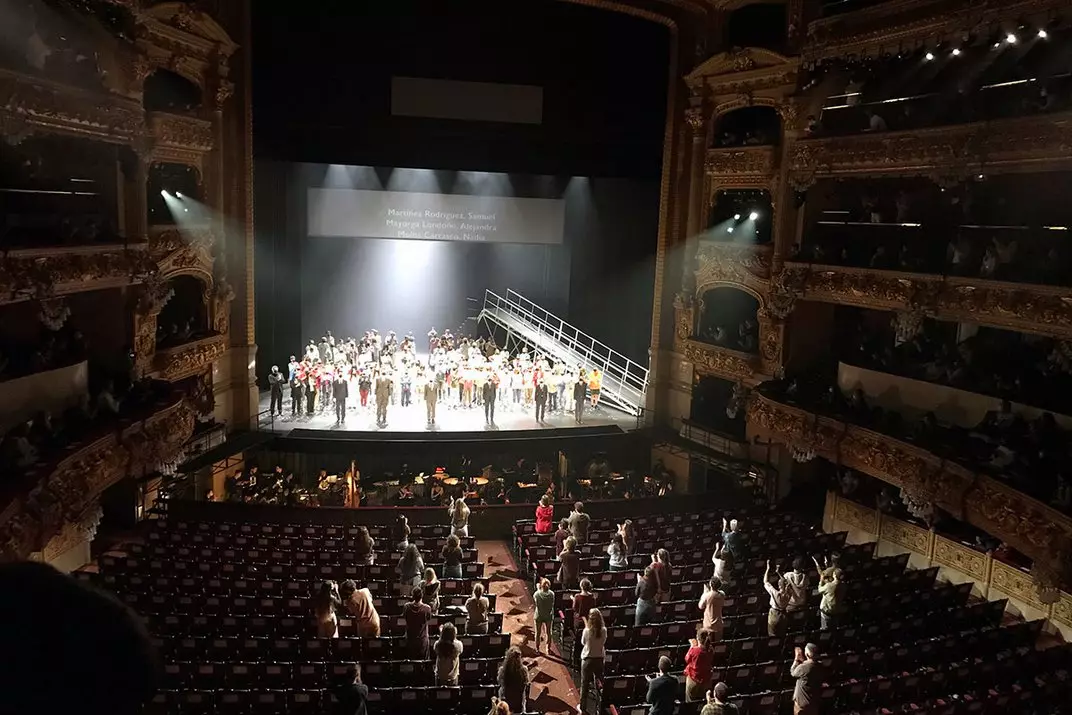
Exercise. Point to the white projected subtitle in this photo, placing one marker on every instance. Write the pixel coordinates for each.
(440, 225)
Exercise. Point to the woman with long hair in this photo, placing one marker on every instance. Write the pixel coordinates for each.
(477, 607)
(629, 536)
(583, 602)
(593, 653)
(365, 548)
(459, 517)
(545, 514)
(646, 593)
(660, 565)
(431, 590)
(452, 557)
(617, 559)
(448, 650)
(723, 561)
(325, 603)
(361, 608)
(513, 680)
(699, 660)
(545, 612)
(410, 569)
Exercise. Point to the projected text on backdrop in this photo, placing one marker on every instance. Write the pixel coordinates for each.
(358, 213)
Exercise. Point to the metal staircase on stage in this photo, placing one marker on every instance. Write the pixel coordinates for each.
(624, 381)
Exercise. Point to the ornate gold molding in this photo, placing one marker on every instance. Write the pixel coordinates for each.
(179, 251)
(1036, 143)
(180, 139)
(957, 556)
(46, 273)
(722, 362)
(913, 538)
(1029, 526)
(746, 160)
(1016, 583)
(40, 510)
(856, 516)
(733, 265)
(744, 71)
(189, 359)
(1062, 609)
(32, 104)
(1044, 310)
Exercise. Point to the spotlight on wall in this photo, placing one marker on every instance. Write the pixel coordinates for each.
(736, 217)
(956, 52)
(163, 192)
(1010, 38)
(929, 56)
(753, 216)
(178, 194)
(1043, 34)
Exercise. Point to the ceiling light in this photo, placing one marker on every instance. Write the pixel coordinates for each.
(956, 52)
(729, 230)
(178, 194)
(736, 217)
(1043, 34)
(753, 216)
(163, 192)
(1010, 38)
(929, 56)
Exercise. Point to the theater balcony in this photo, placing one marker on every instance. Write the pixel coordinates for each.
(46, 273)
(935, 466)
(61, 487)
(180, 139)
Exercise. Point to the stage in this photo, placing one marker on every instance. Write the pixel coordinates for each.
(449, 418)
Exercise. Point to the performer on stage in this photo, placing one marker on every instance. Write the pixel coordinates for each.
(580, 387)
(595, 384)
(431, 397)
(488, 393)
(275, 388)
(296, 388)
(341, 390)
(541, 400)
(383, 396)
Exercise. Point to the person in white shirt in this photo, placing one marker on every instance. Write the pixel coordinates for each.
(616, 551)
(799, 589)
(779, 604)
(723, 561)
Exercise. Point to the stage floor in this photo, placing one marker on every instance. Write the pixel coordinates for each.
(448, 418)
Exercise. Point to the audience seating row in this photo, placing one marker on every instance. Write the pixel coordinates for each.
(341, 553)
(167, 528)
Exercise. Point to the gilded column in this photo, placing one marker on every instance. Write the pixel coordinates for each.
(695, 118)
(784, 198)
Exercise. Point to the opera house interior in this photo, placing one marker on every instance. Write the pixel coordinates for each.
(628, 357)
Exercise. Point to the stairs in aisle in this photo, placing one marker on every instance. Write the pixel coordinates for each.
(625, 382)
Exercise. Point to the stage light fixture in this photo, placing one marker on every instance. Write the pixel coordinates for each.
(736, 217)
(929, 56)
(178, 194)
(1043, 34)
(729, 229)
(186, 210)
(163, 192)
(956, 52)
(753, 216)
(1010, 38)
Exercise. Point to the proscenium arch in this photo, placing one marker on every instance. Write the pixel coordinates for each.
(201, 23)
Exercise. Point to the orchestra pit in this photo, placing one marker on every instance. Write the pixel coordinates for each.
(625, 357)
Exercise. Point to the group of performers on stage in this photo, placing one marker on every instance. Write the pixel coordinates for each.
(459, 372)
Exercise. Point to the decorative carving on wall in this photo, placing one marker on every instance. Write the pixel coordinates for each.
(81, 531)
(1062, 609)
(722, 362)
(963, 149)
(753, 160)
(1015, 582)
(64, 493)
(684, 316)
(189, 359)
(732, 264)
(53, 313)
(907, 535)
(1045, 310)
(771, 341)
(48, 273)
(857, 516)
(957, 556)
(1027, 525)
(42, 105)
(907, 325)
(694, 117)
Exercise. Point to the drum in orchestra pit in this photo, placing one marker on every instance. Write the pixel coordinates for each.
(451, 481)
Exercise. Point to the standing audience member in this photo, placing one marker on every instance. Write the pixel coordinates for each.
(350, 695)
(459, 517)
(477, 608)
(732, 538)
(402, 532)
(662, 690)
(561, 535)
(660, 566)
(579, 523)
(545, 612)
(410, 569)
(646, 593)
(417, 615)
(716, 702)
(513, 680)
(629, 536)
(617, 560)
(325, 604)
(583, 602)
(452, 558)
(545, 514)
(830, 590)
(808, 672)
(448, 650)
(711, 603)
(430, 586)
(779, 603)
(723, 561)
(365, 548)
(799, 591)
(593, 653)
(699, 660)
(362, 609)
(569, 570)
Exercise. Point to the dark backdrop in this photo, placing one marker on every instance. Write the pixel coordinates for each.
(322, 81)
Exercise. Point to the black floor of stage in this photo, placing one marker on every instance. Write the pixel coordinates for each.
(411, 420)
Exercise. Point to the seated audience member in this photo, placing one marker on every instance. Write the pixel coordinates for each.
(662, 690)
(569, 570)
(617, 559)
(477, 607)
(361, 608)
(417, 615)
(545, 612)
(71, 648)
(325, 604)
(583, 602)
(593, 654)
(545, 514)
(430, 586)
(448, 650)
(410, 569)
(646, 593)
(779, 603)
(717, 703)
(561, 535)
(513, 680)
(660, 567)
(629, 536)
(452, 558)
(732, 538)
(711, 603)
(579, 523)
(799, 589)
(699, 660)
(808, 673)
(350, 695)
(499, 707)
(365, 549)
(723, 561)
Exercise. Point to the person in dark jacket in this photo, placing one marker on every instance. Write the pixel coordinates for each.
(340, 390)
(351, 695)
(417, 615)
(662, 690)
(487, 393)
(275, 388)
(541, 400)
(296, 390)
(580, 391)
